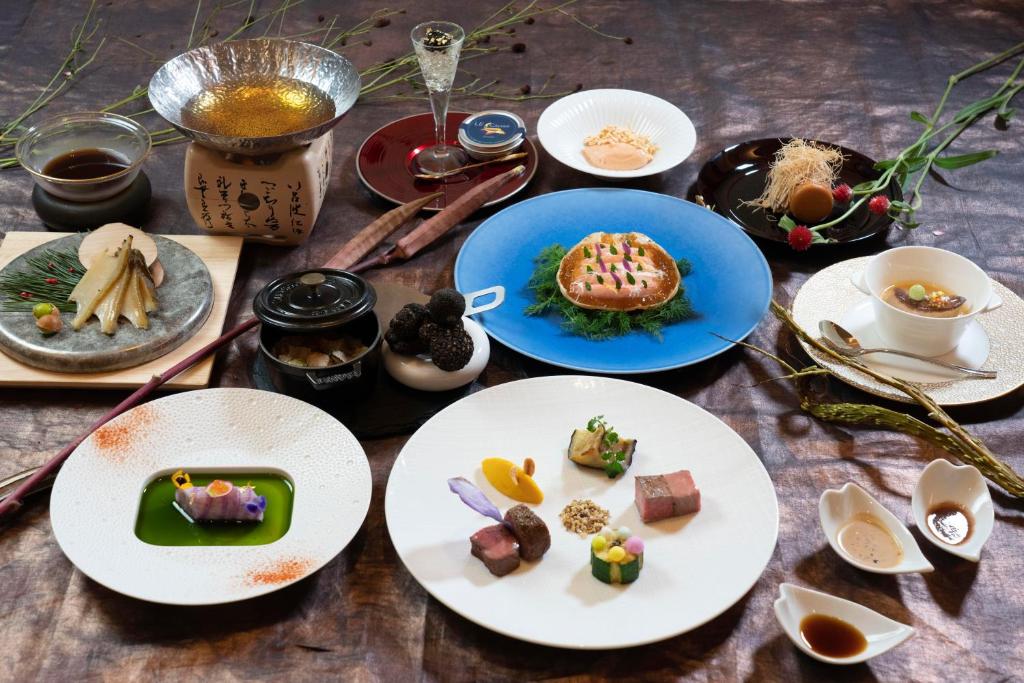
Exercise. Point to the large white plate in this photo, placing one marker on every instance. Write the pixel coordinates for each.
(694, 567)
(96, 496)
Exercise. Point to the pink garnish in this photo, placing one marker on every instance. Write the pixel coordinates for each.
(626, 249)
(618, 282)
(604, 269)
(625, 264)
(634, 545)
(474, 498)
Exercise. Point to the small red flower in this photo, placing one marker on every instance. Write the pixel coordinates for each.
(878, 205)
(25, 295)
(842, 193)
(800, 238)
(71, 270)
(51, 280)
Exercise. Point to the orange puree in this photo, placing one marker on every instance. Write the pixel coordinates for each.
(616, 156)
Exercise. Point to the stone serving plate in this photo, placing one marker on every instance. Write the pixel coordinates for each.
(185, 298)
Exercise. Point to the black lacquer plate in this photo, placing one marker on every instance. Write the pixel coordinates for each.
(738, 174)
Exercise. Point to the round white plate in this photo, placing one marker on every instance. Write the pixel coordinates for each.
(96, 496)
(695, 567)
(563, 126)
(992, 341)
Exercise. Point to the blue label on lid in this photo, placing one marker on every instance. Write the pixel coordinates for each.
(491, 128)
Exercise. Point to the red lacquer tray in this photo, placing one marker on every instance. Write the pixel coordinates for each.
(386, 163)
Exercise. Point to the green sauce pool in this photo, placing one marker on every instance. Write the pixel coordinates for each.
(162, 522)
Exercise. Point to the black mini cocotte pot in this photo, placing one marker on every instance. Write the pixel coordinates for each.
(320, 303)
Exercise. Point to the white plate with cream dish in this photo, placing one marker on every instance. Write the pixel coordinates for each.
(96, 508)
(565, 125)
(991, 341)
(695, 567)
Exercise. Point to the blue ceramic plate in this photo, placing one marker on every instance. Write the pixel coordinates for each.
(730, 285)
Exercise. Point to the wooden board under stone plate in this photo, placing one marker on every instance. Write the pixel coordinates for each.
(220, 254)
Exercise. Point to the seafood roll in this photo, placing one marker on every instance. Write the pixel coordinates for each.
(218, 501)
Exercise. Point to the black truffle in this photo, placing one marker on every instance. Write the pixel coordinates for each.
(446, 307)
(407, 321)
(451, 350)
(405, 347)
(428, 330)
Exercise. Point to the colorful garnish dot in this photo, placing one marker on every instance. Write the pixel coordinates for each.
(634, 545)
(917, 292)
(218, 487)
(608, 533)
(617, 554)
(599, 543)
(624, 533)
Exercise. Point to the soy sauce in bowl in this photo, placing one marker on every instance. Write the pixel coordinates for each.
(86, 164)
(831, 636)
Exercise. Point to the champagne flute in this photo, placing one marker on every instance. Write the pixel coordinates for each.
(437, 45)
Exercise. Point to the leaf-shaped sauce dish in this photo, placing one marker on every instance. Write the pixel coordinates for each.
(834, 630)
(953, 509)
(865, 534)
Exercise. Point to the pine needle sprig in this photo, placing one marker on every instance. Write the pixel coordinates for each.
(48, 277)
(598, 325)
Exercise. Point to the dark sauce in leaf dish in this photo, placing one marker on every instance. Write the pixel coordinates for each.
(831, 636)
(950, 523)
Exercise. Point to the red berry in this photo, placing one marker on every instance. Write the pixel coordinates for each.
(25, 295)
(878, 205)
(51, 280)
(800, 238)
(842, 193)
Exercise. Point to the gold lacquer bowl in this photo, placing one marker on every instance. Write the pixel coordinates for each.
(255, 97)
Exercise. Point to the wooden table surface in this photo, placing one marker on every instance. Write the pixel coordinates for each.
(845, 72)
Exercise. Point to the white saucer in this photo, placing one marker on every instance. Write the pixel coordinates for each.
(972, 352)
(992, 341)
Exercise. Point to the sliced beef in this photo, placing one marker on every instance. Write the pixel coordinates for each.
(496, 547)
(530, 530)
(666, 495)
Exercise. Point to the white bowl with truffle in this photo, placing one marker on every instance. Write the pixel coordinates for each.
(420, 373)
(953, 508)
(863, 532)
(569, 121)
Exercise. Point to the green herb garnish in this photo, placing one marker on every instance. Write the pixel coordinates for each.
(597, 324)
(586, 252)
(614, 251)
(640, 251)
(630, 279)
(609, 441)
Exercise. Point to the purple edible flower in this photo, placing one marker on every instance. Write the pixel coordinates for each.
(625, 264)
(618, 282)
(474, 498)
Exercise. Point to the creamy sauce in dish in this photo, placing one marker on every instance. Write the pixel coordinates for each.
(925, 298)
(831, 636)
(866, 539)
(950, 523)
(616, 156)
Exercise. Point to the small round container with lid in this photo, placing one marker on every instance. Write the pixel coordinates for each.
(320, 338)
(491, 134)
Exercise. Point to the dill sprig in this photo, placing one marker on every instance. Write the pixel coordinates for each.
(593, 324)
(48, 277)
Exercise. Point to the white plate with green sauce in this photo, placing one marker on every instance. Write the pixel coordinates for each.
(695, 567)
(113, 505)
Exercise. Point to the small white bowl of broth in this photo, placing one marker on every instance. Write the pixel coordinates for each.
(924, 298)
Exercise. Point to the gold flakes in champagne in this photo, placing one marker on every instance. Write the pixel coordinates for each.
(258, 108)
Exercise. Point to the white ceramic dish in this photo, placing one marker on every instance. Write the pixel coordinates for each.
(836, 507)
(563, 126)
(795, 603)
(96, 496)
(918, 333)
(943, 482)
(420, 373)
(991, 341)
(695, 567)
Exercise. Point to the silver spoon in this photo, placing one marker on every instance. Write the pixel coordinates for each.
(460, 169)
(845, 343)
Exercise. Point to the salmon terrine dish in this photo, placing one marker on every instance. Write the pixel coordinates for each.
(621, 271)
